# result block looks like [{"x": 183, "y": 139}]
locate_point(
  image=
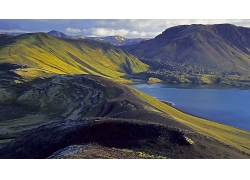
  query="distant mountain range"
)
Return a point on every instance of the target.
[
  {"x": 205, "y": 48},
  {"x": 114, "y": 40}
]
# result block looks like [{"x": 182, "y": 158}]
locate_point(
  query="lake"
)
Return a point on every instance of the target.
[{"x": 230, "y": 106}]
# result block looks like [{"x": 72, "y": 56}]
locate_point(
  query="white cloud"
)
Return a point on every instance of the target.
[
  {"x": 142, "y": 34},
  {"x": 105, "y": 32},
  {"x": 122, "y": 32},
  {"x": 73, "y": 30}
]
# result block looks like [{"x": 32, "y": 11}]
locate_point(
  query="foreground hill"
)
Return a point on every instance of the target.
[
  {"x": 115, "y": 138},
  {"x": 64, "y": 56},
  {"x": 222, "y": 47},
  {"x": 44, "y": 116}
]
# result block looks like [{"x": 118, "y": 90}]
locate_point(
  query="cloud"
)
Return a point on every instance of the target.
[
  {"x": 73, "y": 30},
  {"x": 108, "y": 23},
  {"x": 142, "y": 34},
  {"x": 108, "y": 32},
  {"x": 105, "y": 32},
  {"x": 122, "y": 32},
  {"x": 132, "y": 24}
]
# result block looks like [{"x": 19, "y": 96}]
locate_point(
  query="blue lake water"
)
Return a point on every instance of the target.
[{"x": 230, "y": 106}]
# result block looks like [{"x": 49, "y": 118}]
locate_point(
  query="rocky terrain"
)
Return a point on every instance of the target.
[{"x": 115, "y": 138}]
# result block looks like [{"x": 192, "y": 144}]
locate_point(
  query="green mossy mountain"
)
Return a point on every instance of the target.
[{"x": 65, "y": 56}]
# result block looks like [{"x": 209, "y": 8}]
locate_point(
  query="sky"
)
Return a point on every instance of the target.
[
  {"x": 129, "y": 28},
  {"x": 130, "y": 18}
]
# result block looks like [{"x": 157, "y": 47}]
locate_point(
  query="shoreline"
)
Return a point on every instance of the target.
[
  {"x": 171, "y": 104},
  {"x": 167, "y": 102},
  {"x": 200, "y": 116},
  {"x": 188, "y": 85}
]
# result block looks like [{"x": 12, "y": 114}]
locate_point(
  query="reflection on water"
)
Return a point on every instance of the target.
[{"x": 224, "y": 105}]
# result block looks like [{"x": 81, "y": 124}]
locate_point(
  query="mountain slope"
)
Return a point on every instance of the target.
[
  {"x": 211, "y": 48},
  {"x": 66, "y": 56}
]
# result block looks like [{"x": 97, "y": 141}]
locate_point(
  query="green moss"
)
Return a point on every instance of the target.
[
  {"x": 141, "y": 154},
  {"x": 153, "y": 80}
]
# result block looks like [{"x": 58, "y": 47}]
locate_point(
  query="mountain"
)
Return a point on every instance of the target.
[
  {"x": 220, "y": 48},
  {"x": 58, "y": 34},
  {"x": 42, "y": 53},
  {"x": 114, "y": 40}
]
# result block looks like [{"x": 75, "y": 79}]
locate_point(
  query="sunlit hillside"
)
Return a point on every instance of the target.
[{"x": 61, "y": 56}]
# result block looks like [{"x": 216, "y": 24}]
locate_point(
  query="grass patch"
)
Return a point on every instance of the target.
[
  {"x": 141, "y": 154},
  {"x": 153, "y": 80}
]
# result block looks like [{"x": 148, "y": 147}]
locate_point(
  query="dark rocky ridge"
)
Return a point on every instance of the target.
[{"x": 151, "y": 138}]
